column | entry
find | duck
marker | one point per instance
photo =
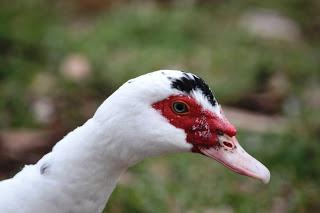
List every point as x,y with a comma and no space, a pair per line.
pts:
161,112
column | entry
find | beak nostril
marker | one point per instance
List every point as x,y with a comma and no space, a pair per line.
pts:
227,144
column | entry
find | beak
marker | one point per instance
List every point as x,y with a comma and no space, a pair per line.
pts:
229,152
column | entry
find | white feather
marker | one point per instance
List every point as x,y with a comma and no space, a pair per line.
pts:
83,168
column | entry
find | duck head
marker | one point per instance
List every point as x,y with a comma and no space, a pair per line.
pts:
174,111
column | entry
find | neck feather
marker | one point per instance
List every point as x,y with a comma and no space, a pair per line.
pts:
78,175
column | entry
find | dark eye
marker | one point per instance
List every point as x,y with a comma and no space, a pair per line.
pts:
219,132
180,107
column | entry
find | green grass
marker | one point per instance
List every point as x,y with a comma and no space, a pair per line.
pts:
126,42
131,40
193,183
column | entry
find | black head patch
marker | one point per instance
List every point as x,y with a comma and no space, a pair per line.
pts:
189,82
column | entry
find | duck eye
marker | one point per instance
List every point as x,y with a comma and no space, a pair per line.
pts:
180,107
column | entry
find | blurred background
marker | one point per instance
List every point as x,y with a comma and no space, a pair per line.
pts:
60,59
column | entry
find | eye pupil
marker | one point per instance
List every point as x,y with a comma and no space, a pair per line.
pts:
180,107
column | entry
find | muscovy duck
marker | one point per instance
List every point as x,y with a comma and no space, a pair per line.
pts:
161,112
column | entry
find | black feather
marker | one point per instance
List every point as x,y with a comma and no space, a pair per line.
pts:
189,82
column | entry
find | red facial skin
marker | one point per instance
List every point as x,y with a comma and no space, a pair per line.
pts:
200,125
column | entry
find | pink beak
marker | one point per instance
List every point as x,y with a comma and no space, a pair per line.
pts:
229,152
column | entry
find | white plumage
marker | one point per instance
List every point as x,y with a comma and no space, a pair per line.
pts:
83,168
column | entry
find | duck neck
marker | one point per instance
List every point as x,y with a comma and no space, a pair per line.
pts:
85,166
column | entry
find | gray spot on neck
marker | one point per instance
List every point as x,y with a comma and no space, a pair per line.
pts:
44,168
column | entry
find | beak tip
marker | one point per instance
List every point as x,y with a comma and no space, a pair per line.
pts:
265,178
